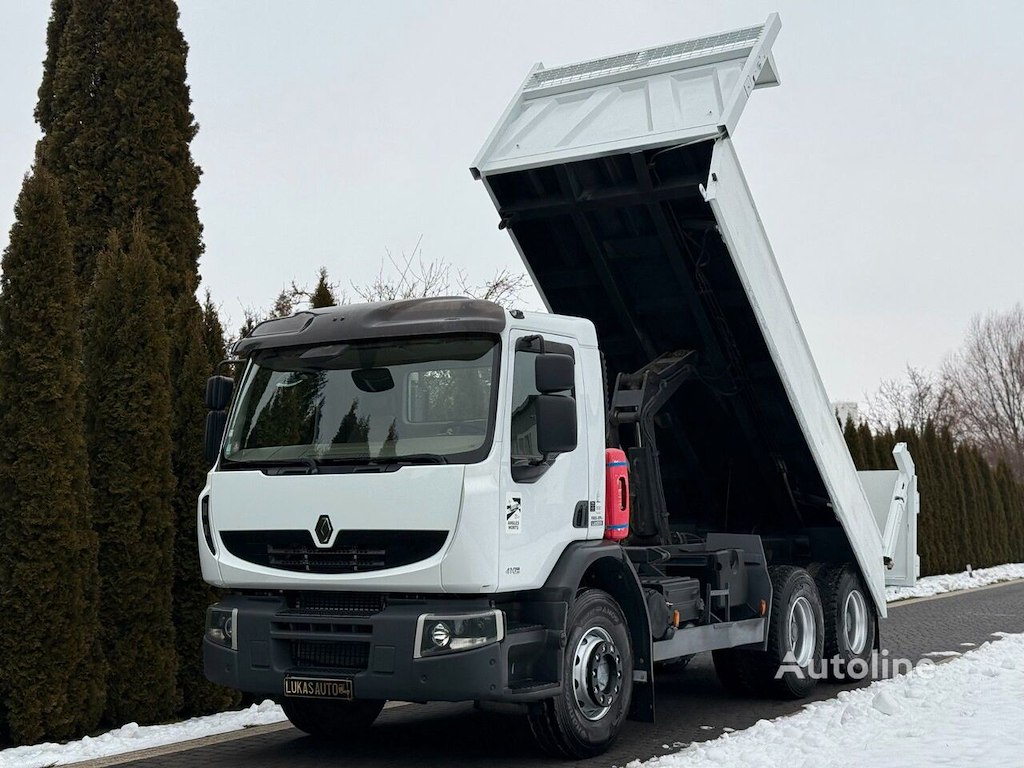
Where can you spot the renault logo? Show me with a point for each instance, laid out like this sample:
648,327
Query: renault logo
324,529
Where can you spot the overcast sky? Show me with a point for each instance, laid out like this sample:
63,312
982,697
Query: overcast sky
887,167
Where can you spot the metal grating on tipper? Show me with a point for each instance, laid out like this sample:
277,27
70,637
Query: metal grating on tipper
625,62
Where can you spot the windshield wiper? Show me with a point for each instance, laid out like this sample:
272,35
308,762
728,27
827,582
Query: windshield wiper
312,465
411,458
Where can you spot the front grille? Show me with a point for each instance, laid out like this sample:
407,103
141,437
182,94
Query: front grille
295,623
352,551
355,604
345,654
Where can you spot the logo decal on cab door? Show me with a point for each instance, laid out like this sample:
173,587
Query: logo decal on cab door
514,514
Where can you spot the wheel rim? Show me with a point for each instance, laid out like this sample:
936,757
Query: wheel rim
802,631
596,673
855,621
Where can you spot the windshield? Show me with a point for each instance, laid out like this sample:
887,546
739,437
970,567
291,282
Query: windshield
428,400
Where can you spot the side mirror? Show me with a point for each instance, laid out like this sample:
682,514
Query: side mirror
218,392
554,373
216,421
556,422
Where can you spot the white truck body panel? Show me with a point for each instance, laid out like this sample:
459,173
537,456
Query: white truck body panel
741,227
672,94
895,501
536,524
252,501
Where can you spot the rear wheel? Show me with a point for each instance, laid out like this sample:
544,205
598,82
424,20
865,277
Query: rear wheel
597,682
789,666
849,621
331,719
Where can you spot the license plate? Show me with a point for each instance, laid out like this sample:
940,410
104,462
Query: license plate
318,688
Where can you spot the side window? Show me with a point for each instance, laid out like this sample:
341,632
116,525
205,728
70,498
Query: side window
528,463
524,414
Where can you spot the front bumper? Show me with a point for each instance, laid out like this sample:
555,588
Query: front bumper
373,645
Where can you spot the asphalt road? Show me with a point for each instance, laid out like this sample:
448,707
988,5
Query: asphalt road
692,706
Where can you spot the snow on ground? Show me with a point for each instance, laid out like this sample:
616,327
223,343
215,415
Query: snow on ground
132,737
965,712
954,582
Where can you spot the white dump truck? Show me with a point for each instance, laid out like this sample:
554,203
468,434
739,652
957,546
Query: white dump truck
442,500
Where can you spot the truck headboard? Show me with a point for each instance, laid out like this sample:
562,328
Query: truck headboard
671,94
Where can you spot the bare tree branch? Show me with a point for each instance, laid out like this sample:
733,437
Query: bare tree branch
986,381
408,276
911,402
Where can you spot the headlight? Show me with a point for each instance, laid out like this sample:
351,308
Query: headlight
448,633
222,626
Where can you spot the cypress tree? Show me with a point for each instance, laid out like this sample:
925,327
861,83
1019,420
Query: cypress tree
929,484
983,513
76,145
117,128
954,528
995,539
975,507
213,334
1013,506
127,415
968,507
116,114
987,527
1016,493
60,12
322,295
867,441
51,670
189,367
888,442
852,435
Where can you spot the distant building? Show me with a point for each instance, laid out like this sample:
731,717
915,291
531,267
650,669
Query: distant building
847,409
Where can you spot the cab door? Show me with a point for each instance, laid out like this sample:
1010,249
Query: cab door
545,498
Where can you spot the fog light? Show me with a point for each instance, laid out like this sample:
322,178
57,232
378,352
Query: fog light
440,635
221,626
436,633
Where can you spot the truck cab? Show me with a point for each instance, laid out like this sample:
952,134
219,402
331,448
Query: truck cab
396,487
473,478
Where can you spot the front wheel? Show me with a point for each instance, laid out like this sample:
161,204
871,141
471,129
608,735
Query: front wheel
331,720
597,682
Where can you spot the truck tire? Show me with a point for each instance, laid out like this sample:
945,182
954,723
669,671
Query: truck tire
331,720
795,642
849,619
597,682
731,668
